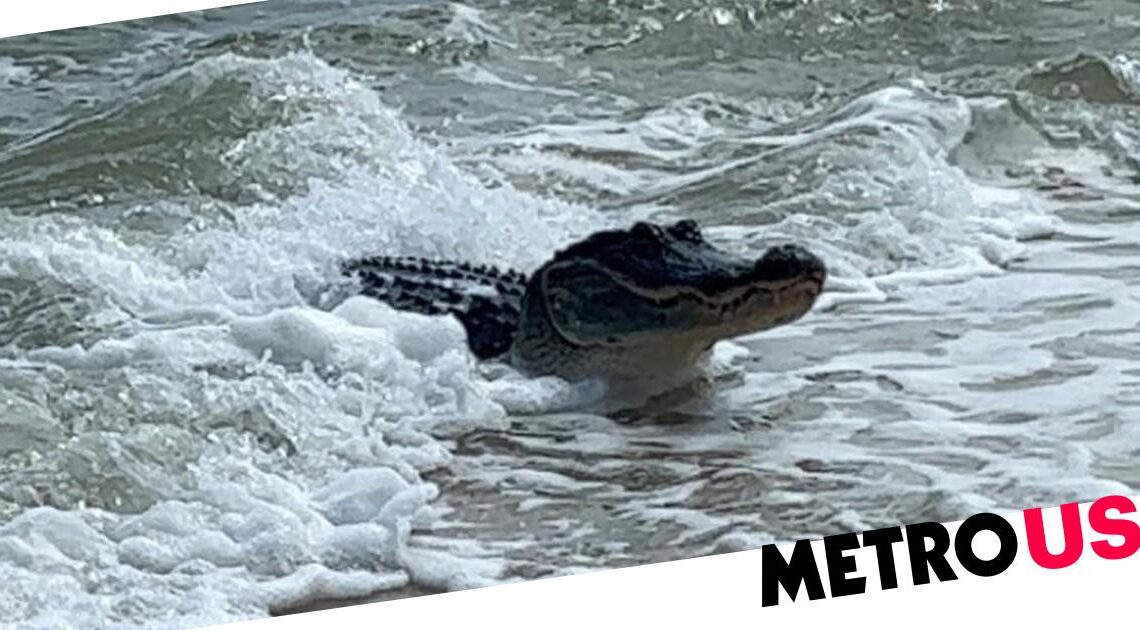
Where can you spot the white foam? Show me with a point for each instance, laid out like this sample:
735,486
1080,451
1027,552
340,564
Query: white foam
12,73
301,435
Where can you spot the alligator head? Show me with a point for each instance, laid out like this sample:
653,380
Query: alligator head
623,303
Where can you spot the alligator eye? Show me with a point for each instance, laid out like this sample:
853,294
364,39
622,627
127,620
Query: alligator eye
687,230
641,229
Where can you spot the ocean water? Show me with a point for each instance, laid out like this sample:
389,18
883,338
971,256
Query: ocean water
184,440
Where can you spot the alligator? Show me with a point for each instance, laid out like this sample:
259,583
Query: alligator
619,304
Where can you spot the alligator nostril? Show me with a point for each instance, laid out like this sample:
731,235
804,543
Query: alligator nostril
808,262
789,261
779,262
811,264
816,268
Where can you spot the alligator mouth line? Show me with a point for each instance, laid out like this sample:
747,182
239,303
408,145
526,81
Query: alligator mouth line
775,291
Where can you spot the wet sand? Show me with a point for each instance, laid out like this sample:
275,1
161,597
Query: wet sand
375,598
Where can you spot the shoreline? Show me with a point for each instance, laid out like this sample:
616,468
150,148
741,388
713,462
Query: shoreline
403,592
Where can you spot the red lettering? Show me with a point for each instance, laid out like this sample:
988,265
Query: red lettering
1101,523
1035,537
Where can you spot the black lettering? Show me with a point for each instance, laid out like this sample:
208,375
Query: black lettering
839,565
921,560
963,544
881,540
789,574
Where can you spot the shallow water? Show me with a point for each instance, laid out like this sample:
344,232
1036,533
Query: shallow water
184,441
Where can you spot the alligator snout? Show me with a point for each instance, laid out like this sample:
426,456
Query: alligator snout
787,262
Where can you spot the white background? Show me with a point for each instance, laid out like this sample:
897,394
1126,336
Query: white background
18,17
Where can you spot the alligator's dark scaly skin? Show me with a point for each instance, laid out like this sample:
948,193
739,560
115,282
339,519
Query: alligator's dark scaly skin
486,300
